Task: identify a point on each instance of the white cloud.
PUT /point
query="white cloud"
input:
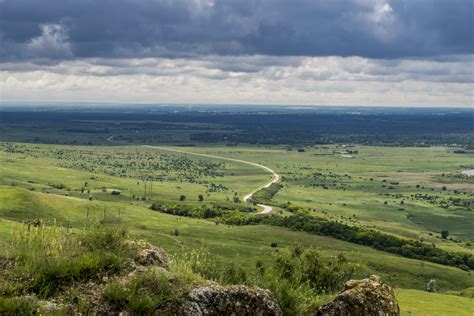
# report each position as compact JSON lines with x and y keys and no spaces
{"x":246,"y":79}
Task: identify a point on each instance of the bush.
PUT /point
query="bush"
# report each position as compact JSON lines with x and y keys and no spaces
{"x":146,"y":292}
{"x":467,"y":292}
{"x":299,"y":279}
{"x":307,"y":267}
{"x":18,"y":306}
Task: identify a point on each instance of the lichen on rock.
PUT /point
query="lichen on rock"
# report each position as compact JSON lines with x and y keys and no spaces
{"x":233,"y":300}
{"x":363,"y":297}
{"x":149,"y":255}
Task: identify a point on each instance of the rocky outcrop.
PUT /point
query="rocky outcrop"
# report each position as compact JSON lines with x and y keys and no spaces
{"x":153,"y":256}
{"x":234,"y":300}
{"x":149,"y":255}
{"x":363,"y":297}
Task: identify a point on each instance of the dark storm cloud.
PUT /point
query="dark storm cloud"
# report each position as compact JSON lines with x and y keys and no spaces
{"x":47,"y":30}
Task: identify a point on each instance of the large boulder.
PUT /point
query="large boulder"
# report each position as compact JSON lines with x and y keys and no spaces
{"x":153,"y":256}
{"x":148,"y":255}
{"x":363,"y":297}
{"x":233,"y":300}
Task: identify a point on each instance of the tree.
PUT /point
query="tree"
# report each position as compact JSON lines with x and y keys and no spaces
{"x":182,"y":197}
{"x":444,"y":234}
{"x":201,"y":198}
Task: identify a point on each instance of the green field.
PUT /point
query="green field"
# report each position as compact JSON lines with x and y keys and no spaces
{"x":414,"y":302}
{"x":66,"y":184}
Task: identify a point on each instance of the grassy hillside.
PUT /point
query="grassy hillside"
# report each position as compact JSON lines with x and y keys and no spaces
{"x":241,"y":245}
{"x":42,"y":181}
{"x":414,"y":302}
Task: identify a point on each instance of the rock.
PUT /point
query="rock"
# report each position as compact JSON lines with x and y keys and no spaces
{"x":431,"y":287}
{"x":50,"y":308}
{"x":363,"y":297}
{"x":233,"y":300}
{"x":148,"y":255}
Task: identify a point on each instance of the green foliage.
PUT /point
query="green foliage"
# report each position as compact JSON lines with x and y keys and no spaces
{"x":300,"y":267}
{"x":375,"y":239}
{"x":50,"y":257}
{"x":146,"y":292}
{"x":468,"y":292}
{"x":266,"y":194}
{"x":18,"y":306}
{"x":200,"y":211}
{"x":298,"y":278}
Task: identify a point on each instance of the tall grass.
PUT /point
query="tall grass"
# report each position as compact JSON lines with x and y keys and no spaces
{"x":48,"y":257}
{"x":298,"y":278}
{"x":146,"y":292}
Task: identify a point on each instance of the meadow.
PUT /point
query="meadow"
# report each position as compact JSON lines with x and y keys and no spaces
{"x":64,"y":185}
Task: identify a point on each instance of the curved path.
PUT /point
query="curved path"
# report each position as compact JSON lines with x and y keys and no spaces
{"x":275,"y":176}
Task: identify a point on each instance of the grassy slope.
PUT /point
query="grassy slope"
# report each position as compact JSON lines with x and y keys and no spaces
{"x":39,"y":172}
{"x":414,"y":302}
{"x":242,"y":245}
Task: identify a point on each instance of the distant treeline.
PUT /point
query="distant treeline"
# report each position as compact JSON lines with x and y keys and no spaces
{"x":387,"y":127}
{"x":309,"y":138}
{"x":204,"y":211}
{"x":301,"y":221}
{"x":404,"y":247}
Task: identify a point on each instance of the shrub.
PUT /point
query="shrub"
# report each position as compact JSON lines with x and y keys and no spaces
{"x":467,"y":292}
{"x":146,"y":292}
{"x":18,"y":306}
{"x":308,"y":267}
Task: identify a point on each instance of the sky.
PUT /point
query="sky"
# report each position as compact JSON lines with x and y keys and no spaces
{"x":416,"y":53}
